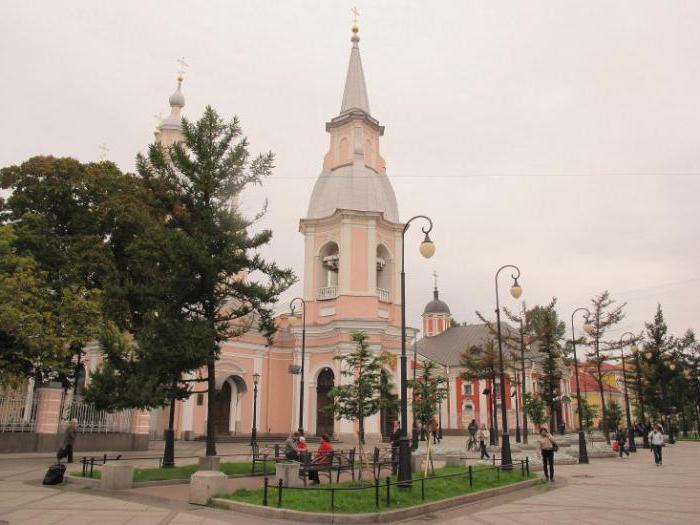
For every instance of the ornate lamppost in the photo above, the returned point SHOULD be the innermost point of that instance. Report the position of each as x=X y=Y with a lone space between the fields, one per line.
x=254 y=431
x=427 y=249
x=414 y=427
x=516 y=291
x=517 y=414
x=303 y=355
x=582 y=450
x=630 y=431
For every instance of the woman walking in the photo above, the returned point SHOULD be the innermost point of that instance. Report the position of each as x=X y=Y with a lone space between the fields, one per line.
x=483 y=437
x=621 y=437
x=547 y=448
x=656 y=441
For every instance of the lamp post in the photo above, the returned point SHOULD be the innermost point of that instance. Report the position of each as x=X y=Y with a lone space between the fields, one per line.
x=640 y=397
x=522 y=377
x=517 y=415
x=254 y=431
x=630 y=431
x=582 y=450
x=303 y=355
x=414 y=427
x=440 y=420
x=427 y=249
x=516 y=291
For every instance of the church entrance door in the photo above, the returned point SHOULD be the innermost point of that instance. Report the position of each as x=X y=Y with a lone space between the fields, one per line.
x=324 y=419
x=222 y=409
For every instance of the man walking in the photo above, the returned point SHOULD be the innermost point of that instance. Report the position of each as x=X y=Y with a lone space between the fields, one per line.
x=656 y=441
x=66 y=451
x=473 y=428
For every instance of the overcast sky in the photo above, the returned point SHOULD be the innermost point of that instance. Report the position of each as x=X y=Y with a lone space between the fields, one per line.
x=563 y=137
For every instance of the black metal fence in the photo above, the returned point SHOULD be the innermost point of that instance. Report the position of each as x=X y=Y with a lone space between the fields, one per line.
x=382 y=491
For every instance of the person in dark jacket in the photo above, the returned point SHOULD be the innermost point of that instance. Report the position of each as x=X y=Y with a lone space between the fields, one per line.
x=66 y=451
x=621 y=437
x=473 y=428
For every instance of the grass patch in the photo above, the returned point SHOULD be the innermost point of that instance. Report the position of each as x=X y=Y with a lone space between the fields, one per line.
x=358 y=501
x=185 y=471
x=689 y=437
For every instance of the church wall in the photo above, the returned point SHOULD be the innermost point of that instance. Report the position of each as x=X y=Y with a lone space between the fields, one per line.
x=358 y=268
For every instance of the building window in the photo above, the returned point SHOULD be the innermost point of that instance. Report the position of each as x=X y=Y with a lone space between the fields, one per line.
x=200 y=400
x=467 y=389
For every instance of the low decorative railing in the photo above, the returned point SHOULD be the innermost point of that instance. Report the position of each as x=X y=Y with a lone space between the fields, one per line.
x=18 y=413
x=327 y=292
x=383 y=295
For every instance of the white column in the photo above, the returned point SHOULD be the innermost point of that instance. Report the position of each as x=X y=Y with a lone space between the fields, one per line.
x=188 y=409
x=372 y=256
x=453 y=403
x=344 y=270
x=309 y=263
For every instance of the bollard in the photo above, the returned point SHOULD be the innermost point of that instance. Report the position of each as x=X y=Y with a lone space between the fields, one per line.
x=332 y=499
x=388 y=491
x=265 y=484
x=279 y=493
x=92 y=465
x=471 y=477
x=498 y=473
x=376 y=492
x=422 y=488
x=527 y=465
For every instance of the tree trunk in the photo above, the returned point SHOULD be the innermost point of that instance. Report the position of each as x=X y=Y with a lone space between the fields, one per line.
x=169 y=450
x=211 y=394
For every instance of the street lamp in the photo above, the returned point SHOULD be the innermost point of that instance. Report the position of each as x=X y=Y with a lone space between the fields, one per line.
x=630 y=431
x=582 y=450
x=517 y=414
x=523 y=384
x=427 y=249
x=414 y=428
x=640 y=398
x=303 y=355
x=254 y=432
x=515 y=291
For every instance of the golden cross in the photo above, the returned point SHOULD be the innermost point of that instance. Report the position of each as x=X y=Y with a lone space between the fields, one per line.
x=181 y=69
x=356 y=14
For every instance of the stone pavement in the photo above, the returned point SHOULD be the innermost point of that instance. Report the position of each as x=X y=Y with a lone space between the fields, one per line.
x=608 y=490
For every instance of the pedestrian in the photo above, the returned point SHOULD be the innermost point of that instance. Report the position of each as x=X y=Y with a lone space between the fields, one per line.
x=66 y=451
x=301 y=446
x=291 y=451
x=324 y=456
x=621 y=438
x=656 y=441
x=547 y=447
x=472 y=429
x=483 y=437
x=395 y=440
x=434 y=429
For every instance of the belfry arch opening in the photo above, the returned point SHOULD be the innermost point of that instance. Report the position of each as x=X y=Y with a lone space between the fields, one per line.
x=327 y=271
x=383 y=269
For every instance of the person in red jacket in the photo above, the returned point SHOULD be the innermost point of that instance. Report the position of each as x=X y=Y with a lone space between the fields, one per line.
x=323 y=457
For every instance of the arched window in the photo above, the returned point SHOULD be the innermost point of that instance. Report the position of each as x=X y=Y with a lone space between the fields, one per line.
x=327 y=274
x=384 y=265
x=343 y=151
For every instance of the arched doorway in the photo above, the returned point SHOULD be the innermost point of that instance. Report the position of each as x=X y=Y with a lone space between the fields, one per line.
x=227 y=405
x=324 y=418
x=387 y=415
x=222 y=409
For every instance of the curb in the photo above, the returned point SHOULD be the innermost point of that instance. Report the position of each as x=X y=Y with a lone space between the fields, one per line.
x=372 y=517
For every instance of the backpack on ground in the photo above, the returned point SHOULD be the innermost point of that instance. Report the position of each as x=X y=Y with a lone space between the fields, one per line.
x=55 y=474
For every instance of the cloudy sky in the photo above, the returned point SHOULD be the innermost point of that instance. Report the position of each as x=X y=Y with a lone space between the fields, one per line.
x=563 y=137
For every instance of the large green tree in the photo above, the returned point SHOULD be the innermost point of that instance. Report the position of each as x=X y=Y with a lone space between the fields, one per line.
x=223 y=279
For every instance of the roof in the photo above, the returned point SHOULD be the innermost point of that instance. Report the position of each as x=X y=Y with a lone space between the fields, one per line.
x=589 y=384
x=353 y=187
x=447 y=348
x=436 y=306
x=355 y=93
x=177 y=102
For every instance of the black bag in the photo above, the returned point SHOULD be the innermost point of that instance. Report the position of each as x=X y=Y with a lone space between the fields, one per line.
x=55 y=474
x=555 y=447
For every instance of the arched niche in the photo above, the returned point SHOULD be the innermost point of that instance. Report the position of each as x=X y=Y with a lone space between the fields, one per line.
x=384 y=270
x=327 y=270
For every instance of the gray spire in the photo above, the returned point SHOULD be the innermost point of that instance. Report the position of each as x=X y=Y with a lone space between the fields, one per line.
x=355 y=94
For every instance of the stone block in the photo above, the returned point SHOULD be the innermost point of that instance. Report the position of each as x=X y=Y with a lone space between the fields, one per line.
x=209 y=463
x=288 y=472
x=117 y=476
x=417 y=462
x=204 y=484
x=454 y=461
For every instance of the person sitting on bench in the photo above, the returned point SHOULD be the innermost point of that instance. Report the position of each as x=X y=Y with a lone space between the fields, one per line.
x=323 y=458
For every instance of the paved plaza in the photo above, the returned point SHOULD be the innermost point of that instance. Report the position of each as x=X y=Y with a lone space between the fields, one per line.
x=607 y=491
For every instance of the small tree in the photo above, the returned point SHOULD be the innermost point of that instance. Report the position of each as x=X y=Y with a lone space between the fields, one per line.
x=362 y=396
x=613 y=417
x=429 y=389
x=588 y=415
x=535 y=408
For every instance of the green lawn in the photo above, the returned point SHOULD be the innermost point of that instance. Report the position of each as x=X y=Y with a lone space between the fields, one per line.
x=357 y=501
x=690 y=437
x=185 y=471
